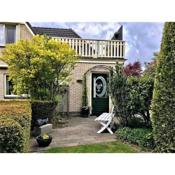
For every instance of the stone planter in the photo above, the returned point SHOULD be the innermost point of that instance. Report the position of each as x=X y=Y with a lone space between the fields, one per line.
x=44 y=142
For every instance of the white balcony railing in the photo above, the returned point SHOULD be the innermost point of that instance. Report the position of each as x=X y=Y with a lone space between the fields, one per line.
x=96 y=48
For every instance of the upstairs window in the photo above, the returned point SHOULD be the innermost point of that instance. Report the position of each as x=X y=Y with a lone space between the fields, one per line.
x=7 y=34
x=10 y=34
x=2 y=35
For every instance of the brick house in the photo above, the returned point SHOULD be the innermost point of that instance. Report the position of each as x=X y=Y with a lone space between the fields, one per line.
x=96 y=56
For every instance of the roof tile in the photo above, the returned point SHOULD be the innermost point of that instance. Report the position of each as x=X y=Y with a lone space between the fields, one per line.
x=55 y=32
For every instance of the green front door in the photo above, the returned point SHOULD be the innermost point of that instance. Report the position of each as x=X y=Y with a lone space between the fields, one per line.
x=100 y=98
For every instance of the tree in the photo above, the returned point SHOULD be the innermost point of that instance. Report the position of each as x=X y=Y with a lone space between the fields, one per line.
x=118 y=89
x=40 y=66
x=146 y=92
x=133 y=69
x=163 y=103
x=141 y=91
x=140 y=96
x=150 y=68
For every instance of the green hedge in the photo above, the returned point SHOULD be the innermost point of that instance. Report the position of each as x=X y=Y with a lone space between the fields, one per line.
x=11 y=136
x=163 y=103
x=139 y=136
x=20 y=112
x=43 y=109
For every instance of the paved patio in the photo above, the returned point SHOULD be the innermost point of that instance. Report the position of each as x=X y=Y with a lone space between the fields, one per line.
x=80 y=131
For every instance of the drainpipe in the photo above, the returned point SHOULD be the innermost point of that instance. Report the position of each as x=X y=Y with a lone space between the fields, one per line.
x=68 y=101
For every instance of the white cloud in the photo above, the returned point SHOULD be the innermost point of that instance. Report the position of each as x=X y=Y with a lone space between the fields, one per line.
x=91 y=30
x=143 y=39
x=94 y=30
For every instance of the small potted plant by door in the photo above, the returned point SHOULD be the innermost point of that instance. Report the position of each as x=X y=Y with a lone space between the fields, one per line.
x=85 y=111
x=44 y=140
x=85 y=107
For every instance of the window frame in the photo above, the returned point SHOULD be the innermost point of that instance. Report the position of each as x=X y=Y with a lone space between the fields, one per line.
x=5 y=34
x=12 y=96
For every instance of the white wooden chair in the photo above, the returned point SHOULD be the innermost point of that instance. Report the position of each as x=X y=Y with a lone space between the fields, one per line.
x=105 y=119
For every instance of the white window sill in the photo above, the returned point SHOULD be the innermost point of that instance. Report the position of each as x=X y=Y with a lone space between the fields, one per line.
x=16 y=96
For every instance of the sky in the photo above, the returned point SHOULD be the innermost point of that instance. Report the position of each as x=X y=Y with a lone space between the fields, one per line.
x=142 y=38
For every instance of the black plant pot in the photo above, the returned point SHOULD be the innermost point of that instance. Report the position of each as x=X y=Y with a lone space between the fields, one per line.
x=43 y=142
x=85 y=111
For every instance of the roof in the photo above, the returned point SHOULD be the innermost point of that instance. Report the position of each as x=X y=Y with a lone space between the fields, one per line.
x=118 y=35
x=54 y=32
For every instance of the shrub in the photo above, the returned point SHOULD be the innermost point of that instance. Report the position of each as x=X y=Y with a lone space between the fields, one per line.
x=122 y=133
x=42 y=110
x=139 y=136
x=11 y=136
x=140 y=96
x=150 y=68
x=136 y=122
x=131 y=95
x=19 y=111
x=118 y=88
x=163 y=104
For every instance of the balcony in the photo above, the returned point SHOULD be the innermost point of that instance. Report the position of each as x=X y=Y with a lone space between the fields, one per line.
x=87 y=48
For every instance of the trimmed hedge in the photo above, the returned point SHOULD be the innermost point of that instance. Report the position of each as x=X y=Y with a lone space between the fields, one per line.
x=42 y=110
x=11 y=136
x=20 y=112
x=163 y=103
x=139 y=136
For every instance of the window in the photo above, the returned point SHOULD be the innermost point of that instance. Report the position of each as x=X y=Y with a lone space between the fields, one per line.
x=9 y=87
x=7 y=34
x=2 y=35
x=10 y=34
x=9 y=90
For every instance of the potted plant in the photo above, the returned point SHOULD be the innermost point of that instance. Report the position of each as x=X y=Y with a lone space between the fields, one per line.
x=85 y=107
x=85 y=111
x=44 y=140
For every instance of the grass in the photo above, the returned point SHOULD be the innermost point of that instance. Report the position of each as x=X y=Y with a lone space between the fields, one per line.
x=110 y=147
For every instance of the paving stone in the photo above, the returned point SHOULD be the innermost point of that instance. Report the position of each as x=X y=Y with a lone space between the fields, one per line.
x=80 y=131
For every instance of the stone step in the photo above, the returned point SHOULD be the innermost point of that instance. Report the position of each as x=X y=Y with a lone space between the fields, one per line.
x=45 y=129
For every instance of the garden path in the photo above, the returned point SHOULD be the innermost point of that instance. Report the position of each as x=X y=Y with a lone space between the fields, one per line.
x=80 y=131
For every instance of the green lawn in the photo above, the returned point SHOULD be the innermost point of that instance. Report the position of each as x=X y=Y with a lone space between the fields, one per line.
x=111 y=147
